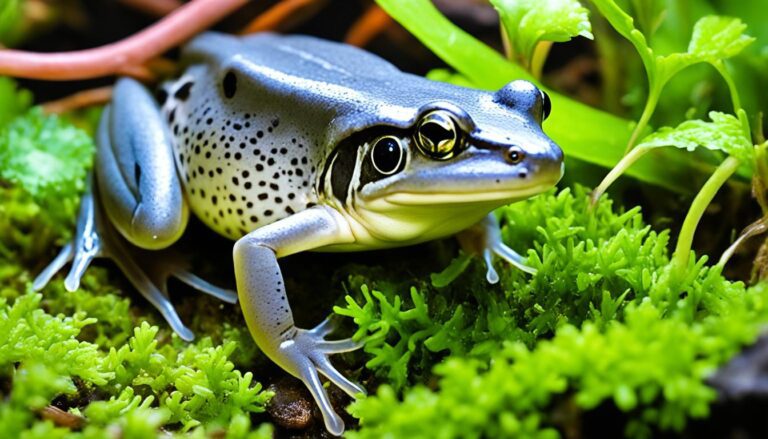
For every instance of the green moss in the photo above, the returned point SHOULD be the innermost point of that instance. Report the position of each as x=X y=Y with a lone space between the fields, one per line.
x=597 y=324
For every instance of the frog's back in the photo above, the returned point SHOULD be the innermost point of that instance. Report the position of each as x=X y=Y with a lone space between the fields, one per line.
x=245 y=156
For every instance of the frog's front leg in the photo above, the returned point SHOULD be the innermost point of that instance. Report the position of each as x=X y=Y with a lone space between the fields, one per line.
x=484 y=239
x=261 y=290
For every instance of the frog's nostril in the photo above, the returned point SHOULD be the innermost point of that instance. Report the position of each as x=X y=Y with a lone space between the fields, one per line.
x=514 y=155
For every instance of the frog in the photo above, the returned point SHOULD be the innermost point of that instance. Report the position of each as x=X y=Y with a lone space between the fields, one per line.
x=291 y=143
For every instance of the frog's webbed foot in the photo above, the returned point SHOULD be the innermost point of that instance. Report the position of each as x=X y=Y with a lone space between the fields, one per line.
x=161 y=265
x=484 y=239
x=147 y=272
x=304 y=353
x=81 y=250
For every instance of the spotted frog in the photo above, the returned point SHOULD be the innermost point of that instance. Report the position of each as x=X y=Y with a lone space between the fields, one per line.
x=291 y=143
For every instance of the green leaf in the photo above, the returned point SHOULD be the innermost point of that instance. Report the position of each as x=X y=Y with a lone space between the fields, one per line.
x=13 y=101
x=724 y=133
x=48 y=158
x=528 y=22
x=650 y=14
x=717 y=38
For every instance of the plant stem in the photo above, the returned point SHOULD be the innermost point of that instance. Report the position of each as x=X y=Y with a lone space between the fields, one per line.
x=696 y=211
x=650 y=107
x=625 y=162
x=539 y=57
x=723 y=70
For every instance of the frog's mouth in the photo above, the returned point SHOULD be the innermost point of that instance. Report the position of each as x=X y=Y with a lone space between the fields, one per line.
x=483 y=178
x=416 y=198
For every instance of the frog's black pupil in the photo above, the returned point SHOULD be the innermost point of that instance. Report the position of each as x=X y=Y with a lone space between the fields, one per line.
x=387 y=155
x=546 y=105
x=435 y=133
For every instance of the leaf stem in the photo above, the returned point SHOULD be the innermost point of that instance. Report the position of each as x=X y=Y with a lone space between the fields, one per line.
x=625 y=162
x=700 y=202
x=539 y=57
x=650 y=106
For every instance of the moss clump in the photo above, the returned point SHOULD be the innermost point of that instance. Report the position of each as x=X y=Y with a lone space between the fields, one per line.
x=597 y=324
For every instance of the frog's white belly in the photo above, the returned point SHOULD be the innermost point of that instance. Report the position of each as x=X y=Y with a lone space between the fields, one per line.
x=239 y=170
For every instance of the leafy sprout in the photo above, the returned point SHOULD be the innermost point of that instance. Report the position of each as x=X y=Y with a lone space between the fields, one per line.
x=531 y=26
x=714 y=39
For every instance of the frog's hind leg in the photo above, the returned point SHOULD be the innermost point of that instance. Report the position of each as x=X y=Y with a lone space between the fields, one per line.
x=136 y=198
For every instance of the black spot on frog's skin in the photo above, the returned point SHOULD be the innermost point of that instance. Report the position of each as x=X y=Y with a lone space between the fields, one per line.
x=263 y=196
x=137 y=173
x=172 y=117
x=232 y=198
x=237 y=126
x=267 y=212
x=289 y=210
x=229 y=84
x=214 y=200
x=238 y=156
x=260 y=134
x=182 y=93
x=161 y=95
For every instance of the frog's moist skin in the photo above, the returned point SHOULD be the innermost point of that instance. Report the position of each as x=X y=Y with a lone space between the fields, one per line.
x=289 y=144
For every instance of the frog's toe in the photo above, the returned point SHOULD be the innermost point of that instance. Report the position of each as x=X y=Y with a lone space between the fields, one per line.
x=325 y=367
x=206 y=287
x=308 y=375
x=330 y=324
x=80 y=251
x=45 y=276
x=490 y=274
x=308 y=352
x=512 y=257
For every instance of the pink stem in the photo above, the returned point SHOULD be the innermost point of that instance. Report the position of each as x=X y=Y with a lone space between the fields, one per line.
x=172 y=30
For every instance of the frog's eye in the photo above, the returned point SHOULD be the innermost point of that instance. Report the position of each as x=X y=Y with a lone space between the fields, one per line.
x=387 y=154
x=437 y=135
x=546 y=105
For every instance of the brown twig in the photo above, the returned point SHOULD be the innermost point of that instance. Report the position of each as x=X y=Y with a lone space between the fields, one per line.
x=373 y=22
x=62 y=418
x=172 y=30
x=286 y=11
x=85 y=98
x=156 y=8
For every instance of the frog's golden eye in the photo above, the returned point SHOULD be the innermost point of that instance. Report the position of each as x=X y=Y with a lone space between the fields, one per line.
x=437 y=135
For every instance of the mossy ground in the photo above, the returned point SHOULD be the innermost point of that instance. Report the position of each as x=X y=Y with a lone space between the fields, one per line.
x=599 y=324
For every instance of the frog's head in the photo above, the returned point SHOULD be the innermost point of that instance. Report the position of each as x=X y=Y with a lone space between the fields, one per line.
x=448 y=167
